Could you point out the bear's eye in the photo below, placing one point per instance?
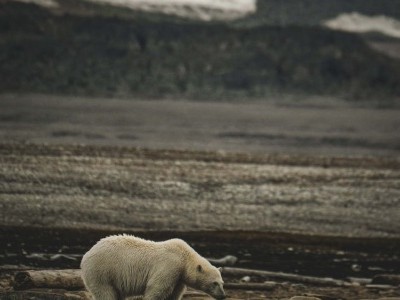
(215, 283)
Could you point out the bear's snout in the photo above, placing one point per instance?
(219, 294)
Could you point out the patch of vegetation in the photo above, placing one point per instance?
(110, 56)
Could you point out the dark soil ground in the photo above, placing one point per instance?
(316, 256)
(320, 216)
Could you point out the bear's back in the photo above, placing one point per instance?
(127, 248)
(125, 241)
(115, 259)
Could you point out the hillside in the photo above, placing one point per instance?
(151, 57)
(315, 12)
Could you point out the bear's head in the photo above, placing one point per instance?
(207, 278)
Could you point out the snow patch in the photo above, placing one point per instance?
(355, 22)
(45, 3)
(197, 9)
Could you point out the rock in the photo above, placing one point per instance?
(245, 279)
(356, 267)
(228, 260)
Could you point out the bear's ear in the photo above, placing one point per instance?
(199, 268)
(219, 269)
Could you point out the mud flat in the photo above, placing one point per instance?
(130, 188)
(280, 124)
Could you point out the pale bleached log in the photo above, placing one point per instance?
(284, 276)
(69, 279)
(251, 286)
(45, 294)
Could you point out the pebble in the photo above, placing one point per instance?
(356, 267)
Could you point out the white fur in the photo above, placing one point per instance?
(121, 266)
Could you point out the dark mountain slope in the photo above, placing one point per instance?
(43, 52)
(313, 12)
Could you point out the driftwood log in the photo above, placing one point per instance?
(68, 295)
(69, 279)
(252, 286)
(284, 276)
(45, 294)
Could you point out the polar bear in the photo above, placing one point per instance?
(122, 266)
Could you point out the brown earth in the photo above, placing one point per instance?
(312, 255)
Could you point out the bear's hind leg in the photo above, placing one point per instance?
(104, 292)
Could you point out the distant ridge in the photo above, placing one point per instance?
(315, 12)
(205, 10)
(148, 55)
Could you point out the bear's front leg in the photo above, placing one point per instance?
(104, 292)
(178, 292)
(161, 288)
